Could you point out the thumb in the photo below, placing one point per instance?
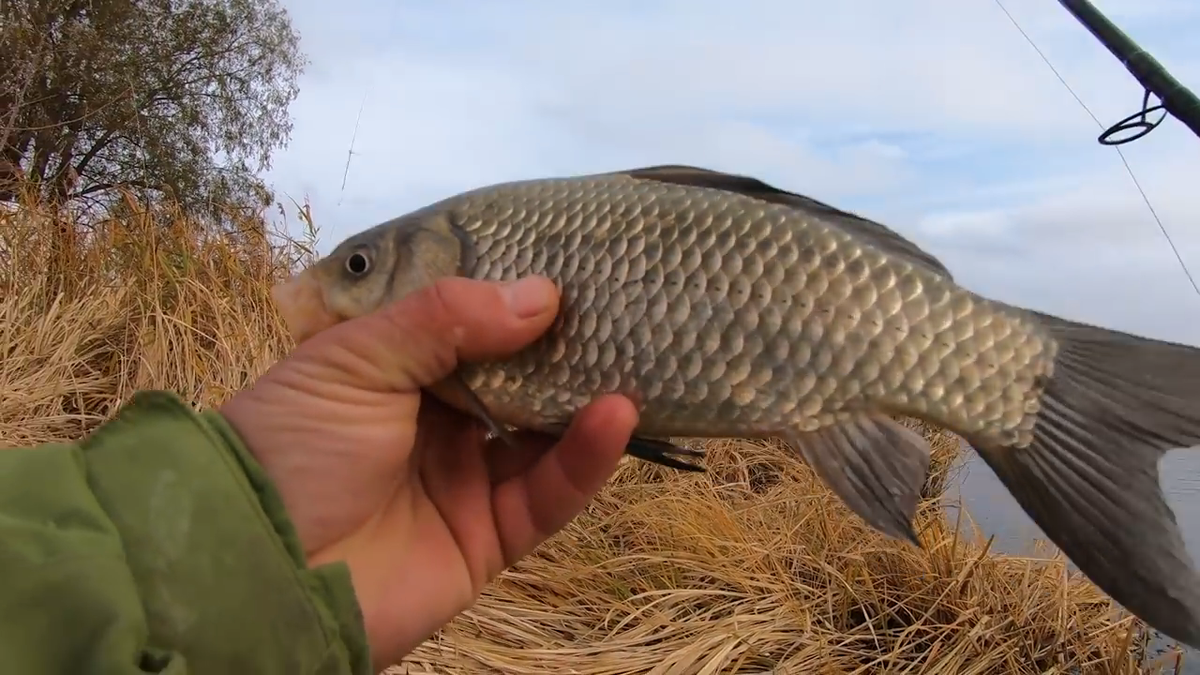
(420, 339)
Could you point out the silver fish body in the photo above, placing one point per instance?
(728, 308)
(730, 317)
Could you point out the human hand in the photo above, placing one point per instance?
(404, 489)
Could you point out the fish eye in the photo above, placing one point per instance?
(358, 264)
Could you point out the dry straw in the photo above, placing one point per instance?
(753, 567)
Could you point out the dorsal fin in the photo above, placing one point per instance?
(872, 232)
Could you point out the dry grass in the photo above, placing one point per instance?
(752, 567)
(144, 300)
(755, 568)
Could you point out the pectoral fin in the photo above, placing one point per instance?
(455, 390)
(874, 464)
(663, 453)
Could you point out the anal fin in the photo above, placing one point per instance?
(875, 465)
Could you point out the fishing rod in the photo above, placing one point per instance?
(1174, 98)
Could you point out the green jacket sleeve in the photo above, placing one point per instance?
(158, 545)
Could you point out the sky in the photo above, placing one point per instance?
(935, 117)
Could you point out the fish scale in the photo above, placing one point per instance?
(731, 283)
(725, 307)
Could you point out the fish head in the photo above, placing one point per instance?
(369, 270)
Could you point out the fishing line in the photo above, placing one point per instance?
(350, 153)
(1116, 146)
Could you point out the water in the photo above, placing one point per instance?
(997, 514)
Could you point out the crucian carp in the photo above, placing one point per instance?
(736, 309)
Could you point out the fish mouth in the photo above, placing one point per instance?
(301, 305)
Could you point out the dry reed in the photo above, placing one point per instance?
(752, 567)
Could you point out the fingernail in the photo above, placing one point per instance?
(527, 297)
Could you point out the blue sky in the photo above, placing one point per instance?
(933, 116)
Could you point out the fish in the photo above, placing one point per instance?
(726, 307)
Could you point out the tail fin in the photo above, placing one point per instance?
(1114, 405)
